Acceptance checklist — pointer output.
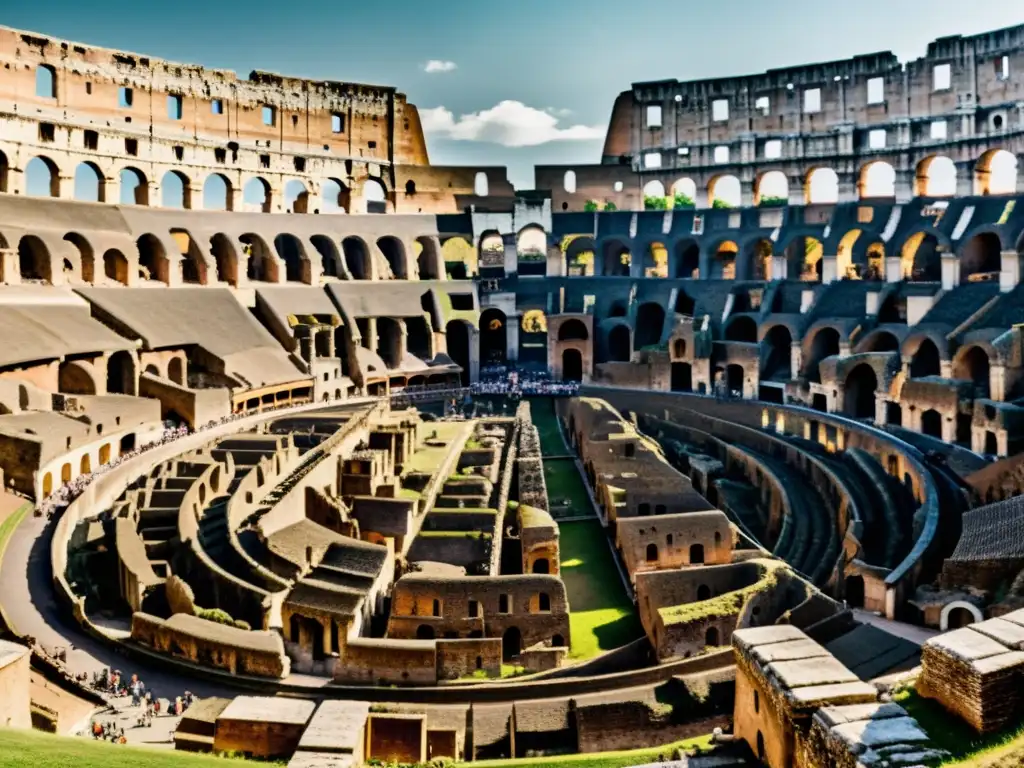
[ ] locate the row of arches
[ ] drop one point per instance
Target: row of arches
(934, 176)
(42, 179)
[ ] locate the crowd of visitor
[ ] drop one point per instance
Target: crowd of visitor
(113, 685)
(515, 383)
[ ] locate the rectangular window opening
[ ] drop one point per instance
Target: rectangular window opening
(939, 130)
(92, 140)
(174, 106)
(300, 164)
(942, 77)
(179, 153)
(220, 154)
(720, 110)
(812, 101)
(652, 160)
(763, 104)
(337, 123)
(876, 90)
(876, 139)
(269, 115)
(131, 147)
(46, 132)
(721, 155)
(1003, 68)
(654, 116)
(773, 149)
(124, 97)
(264, 161)
(217, 107)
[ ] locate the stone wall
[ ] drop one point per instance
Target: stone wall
(15, 697)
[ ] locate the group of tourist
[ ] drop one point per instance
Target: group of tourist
(502, 380)
(114, 685)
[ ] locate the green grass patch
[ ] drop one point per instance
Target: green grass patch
(428, 459)
(728, 604)
(8, 526)
(542, 412)
(601, 615)
(952, 734)
(32, 749)
(454, 535)
(409, 493)
(602, 759)
(567, 495)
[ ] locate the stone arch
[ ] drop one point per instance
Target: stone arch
(76, 377)
(981, 254)
(651, 555)
(947, 611)
(926, 360)
(723, 264)
(573, 330)
(336, 197)
(293, 254)
(859, 392)
(217, 193)
(153, 261)
(134, 186)
(572, 365)
(935, 176)
(46, 81)
(931, 423)
(771, 187)
(176, 370)
(394, 252)
(876, 180)
(686, 260)
(778, 360)
(193, 263)
(424, 632)
(919, 258)
(821, 186)
(457, 334)
(531, 242)
(741, 328)
(481, 188)
(296, 197)
(90, 183)
(619, 343)
(330, 256)
(225, 256)
(650, 324)
(493, 336)
(86, 256)
(115, 266)
(375, 195)
(654, 194)
(712, 638)
(579, 255)
(511, 643)
(175, 190)
(879, 341)
(756, 263)
(257, 195)
(824, 343)
(261, 265)
(696, 554)
(121, 373)
(357, 258)
(428, 260)
(684, 193)
(725, 191)
(42, 177)
(996, 173)
(972, 363)
(569, 182)
(804, 259)
(616, 258)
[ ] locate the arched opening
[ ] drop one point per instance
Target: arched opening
(531, 244)
(925, 360)
(741, 328)
(121, 374)
(654, 196)
(46, 81)
(428, 259)
(973, 366)
(457, 333)
(616, 259)
(153, 263)
(919, 259)
(334, 197)
(821, 187)
(290, 249)
(959, 618)
(217, 193)
(541, 565)
(394, 253)
(758, 262)
(389, 341)
(573, 330)
(696, 554)
(711, 638)
(682, 377)
(778, 361)
(73, 378)
(480, 185)
(760, 747)
(684, 194)
(804, 259)
(772, 188)
(734, 379)
(90, 184)
(85, 465)
(261, 266)
(357, 258)
(684, 304)
(5, 169)
(296, 197)
(996, 173)
(982, 255)
(687, 261)
(652, 553)
(115, 266)
(703, 592)
(931, 423)
(935, 177)
(193, 263)
(859, 392)
(134, 187)
(376, 196)
(877, 180)
(65, 473)
(650, 324)
(557, 641)
(175, 191)
(493, 336)
(619, 344)
(330, 258)
(882, 341)
(825, 344)
(34, 259)
(854, 591)
(544, 602)
(256, 195)
(572, 365)
(723, 266)
(569, 182)
(424, 632)
(226, 259)
(511, 643)
(42, 178)
(725, 192)
(579, 255)
(176, 370)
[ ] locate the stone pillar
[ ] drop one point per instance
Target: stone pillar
(946, 369)
(829, 267)
(948, 429)
(474, 355)
(370, 339)
(797, 190)
(847, 187)
(193, 195)
(512, 257)
(10, 273)
(893, 269)
(306, 348)
(950, 271)
(997, 383)
(746, 193)
(1002, 442)
(795, 359)
(512, 338)
(1010, 273)
(904, 186)
(331, 351)
(66, 187)
(965, 179)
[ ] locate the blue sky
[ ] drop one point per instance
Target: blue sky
(532, 81)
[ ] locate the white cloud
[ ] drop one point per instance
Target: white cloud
(435, 66)
(509, 123)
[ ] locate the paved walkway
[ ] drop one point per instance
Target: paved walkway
(912, 632)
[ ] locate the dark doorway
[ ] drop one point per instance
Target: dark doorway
(572, 365)
(931, 423)
(682, 377)
(511, 643)
(855, 591)
(458, 346)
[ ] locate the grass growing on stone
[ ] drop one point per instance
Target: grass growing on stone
(601, 759)
(728, 604)
(601, 615)
(967, 748)
(32, 749)
(427, 459)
